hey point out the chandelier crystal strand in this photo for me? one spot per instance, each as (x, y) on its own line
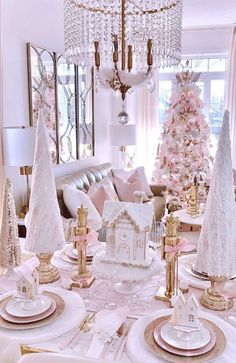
(124, 34)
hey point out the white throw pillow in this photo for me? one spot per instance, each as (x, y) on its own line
(73, 199)
(126, 174)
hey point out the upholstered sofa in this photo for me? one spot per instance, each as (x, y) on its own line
(83, 178)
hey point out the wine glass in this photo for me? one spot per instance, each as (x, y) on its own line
(105, 272)
(227, 289)
(158, 229)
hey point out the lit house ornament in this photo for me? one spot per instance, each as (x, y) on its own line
(124, 39)
(185, 314)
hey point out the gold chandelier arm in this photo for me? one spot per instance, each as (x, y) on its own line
(102, 11)
(123, 34)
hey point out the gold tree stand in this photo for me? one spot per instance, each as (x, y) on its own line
(47, 272)
(212, 299)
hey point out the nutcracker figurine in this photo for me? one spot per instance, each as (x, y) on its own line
(192, 198)
(80, 243)
(169, 253)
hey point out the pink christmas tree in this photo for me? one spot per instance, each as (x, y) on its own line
(185, 138)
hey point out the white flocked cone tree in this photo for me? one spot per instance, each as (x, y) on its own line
(216, 251)
(44, 223)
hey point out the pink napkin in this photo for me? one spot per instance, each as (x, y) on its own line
(107, 322)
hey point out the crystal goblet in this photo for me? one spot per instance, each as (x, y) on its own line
(227, 289)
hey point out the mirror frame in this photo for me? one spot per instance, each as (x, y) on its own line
(77, 104)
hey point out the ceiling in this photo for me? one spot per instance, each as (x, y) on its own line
(200, 13)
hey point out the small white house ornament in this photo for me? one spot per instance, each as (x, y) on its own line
(185, 314)
(127, 231)
(28, 286)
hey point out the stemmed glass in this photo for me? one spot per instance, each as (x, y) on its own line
(107, 275)
(227, 289)
(158, 229)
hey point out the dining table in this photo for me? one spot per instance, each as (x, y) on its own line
(143, 307)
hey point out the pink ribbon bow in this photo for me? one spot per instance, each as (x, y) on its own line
(91, 238)
(182, 246)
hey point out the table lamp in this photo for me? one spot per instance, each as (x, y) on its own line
(122, 136)
(18, 150)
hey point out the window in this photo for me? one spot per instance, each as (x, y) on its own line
(191, 318)
(212, 85)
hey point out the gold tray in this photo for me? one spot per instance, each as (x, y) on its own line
(150, 342)
(60, 305)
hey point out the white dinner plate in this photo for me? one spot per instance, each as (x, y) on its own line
(185, 340)
(89, 252)
(24, 308)
(183, 352)
(28, 319)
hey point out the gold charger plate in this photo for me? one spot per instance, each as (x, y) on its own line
(218, 348)
(29, 319)
(60, 305)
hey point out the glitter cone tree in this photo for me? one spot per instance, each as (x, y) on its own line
(185, 138)
(10, 253)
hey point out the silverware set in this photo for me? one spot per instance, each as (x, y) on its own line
(117, 342)
(73, 340)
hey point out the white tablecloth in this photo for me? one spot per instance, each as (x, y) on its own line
(139, 353)
(71, 317)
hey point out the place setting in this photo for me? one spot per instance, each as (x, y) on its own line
(28, 307)
(183, 336)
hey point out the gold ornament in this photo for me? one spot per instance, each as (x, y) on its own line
(171, 239)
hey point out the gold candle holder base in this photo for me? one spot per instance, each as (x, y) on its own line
(76, 276)
(47, 272)
(82, 281)
(162, 296)
(212, 300)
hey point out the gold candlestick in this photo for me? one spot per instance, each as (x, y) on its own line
(192, 199)
(171, 239)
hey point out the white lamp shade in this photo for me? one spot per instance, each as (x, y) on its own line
(122, 135)
(18, 145)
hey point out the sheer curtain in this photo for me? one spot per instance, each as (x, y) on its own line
(231, 92)
(143, 106)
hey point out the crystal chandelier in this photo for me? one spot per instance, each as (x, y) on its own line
(124, 39)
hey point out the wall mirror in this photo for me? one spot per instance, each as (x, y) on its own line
(66, 93)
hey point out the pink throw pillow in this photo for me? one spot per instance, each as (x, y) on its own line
(139, 173)
(98, 197)
(126, 188)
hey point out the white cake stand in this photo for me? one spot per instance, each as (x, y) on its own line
(127, 279)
